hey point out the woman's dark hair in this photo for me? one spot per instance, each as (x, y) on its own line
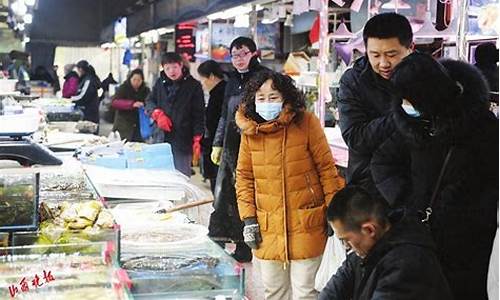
(210, 67)
(389, 25)
(486, 54)
(292, 97)
(424, 82)
(89, 70)
(84, 65)
(136, 72)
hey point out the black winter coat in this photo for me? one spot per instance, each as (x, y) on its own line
(228, 134)
(401, 266)
(182, 101)
(127, 121)
(212, 116)
(87, 99)
(365, 119)
(225, 223)
(406, 168)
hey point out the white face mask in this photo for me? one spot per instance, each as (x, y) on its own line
(268, 110)
(410, 110)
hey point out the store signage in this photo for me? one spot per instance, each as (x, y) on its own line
(185, 43)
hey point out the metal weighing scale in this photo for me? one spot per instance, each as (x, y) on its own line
(24, 150)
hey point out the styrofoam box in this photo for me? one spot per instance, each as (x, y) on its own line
(141, 184)
(25, 123)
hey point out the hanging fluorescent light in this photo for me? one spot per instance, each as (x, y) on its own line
(396, 4)
(108, 45)
(230, 13)
(162, 31)
(29, 2)
(28, 18)
(26, 39)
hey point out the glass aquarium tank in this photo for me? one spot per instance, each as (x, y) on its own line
(19, 193)
(195, 270)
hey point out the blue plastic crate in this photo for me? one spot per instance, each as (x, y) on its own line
(163, 162)
(113, 162)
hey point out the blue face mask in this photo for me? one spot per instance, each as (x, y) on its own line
(410, 110)
(268, 110)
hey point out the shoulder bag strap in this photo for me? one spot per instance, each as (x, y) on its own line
(428, 210)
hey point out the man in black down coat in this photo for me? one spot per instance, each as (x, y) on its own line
(177, 105)
(451, 99)
(365, 93)
(393, 257)
(225, 224)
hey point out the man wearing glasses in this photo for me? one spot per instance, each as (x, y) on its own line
(225, 224)
(392, 257)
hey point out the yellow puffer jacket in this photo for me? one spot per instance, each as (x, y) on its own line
(286, 172)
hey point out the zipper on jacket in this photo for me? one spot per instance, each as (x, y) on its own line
(309, 185)
(284, 196)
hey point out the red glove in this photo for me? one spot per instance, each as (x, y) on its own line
(162, 120)
(196, 145)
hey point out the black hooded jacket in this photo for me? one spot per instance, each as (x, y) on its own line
(365, 119)
(183, 102)
(401, 266)
(225, 223)
(212, 116)
(227, 133)
(407, 165)
(87, 98)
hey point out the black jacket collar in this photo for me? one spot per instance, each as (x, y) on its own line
(404, 230)
(218, 89)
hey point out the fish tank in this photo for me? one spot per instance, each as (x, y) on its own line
(19, 195)
(195, 270)
(66, 273)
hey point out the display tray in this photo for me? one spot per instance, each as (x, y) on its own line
(142, 184)
(199, 271)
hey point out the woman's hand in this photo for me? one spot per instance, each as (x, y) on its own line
(138, 104)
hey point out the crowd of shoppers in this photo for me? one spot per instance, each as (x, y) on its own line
(418, 208)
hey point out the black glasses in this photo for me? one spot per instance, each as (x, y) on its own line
(239, 55)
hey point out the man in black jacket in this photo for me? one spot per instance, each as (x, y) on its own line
(393, 257)
(225, 224)
(365, 94)
(177, 105)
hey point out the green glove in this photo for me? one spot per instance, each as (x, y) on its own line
(216, 155)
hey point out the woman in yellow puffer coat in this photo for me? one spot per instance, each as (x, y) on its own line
(285, 178)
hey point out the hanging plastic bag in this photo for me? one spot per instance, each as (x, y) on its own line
(333, 257)
(145, 124)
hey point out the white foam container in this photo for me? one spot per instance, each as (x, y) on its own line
(20, 124)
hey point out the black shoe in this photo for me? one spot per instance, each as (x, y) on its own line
(243, 253)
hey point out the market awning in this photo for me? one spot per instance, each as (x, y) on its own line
(90, 22)
(170, 12)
